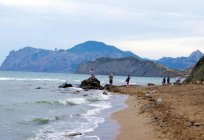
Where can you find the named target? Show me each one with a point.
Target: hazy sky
(149, 28)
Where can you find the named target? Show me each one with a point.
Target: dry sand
(179, 116)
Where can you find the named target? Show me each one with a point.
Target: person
(111, 78)
(168, 80)
(178, 79)
(128, 80)
(91, 72)
(164, 81)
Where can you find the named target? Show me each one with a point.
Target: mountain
(181, 63)
(197, 73)
(40, 60)
(124, 66)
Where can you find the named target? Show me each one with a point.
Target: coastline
(133, 124)
(163, 112)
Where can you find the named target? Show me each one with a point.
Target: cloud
(150, 28)
(156, 48)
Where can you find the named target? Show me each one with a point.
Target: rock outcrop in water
(91, 83)
(125, 66)
(197, 73)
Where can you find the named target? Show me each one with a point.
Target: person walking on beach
(168, 80)
(91, 72)
(111, 79)
(164, 81)
(128, 80)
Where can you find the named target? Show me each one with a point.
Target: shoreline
(138, 125)
(161, 112)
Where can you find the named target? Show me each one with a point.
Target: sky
(149, 28)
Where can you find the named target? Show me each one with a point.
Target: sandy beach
(161, 112)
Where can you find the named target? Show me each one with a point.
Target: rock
(105, 93)
(65, 85)
(74, 134)
(159, 101)
(91, 83)
(76, 92)
(38, 88)
(85, 95)
(148, 95)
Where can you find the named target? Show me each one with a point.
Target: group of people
(110, 78)
(166, 81)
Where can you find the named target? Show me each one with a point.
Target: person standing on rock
(111, 79)
(91, 72)
(128, 80)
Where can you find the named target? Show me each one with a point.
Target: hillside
(40, 60)
(125, 66)
(197, 73)
(181, 63)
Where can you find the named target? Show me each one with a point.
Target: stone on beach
(159, 101)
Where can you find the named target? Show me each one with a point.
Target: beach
(161, 112)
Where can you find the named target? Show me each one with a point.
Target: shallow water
(52, 113)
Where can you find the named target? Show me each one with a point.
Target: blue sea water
(50, 113)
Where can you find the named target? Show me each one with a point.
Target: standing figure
(178, 80)
(111, 79)
(164, 81)
(168, 80)
(91, 72)
(128, 80)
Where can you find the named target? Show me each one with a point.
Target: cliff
(125, 66)
(197, 73)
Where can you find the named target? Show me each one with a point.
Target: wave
(69, 101)
(99, 97)
(30, 79)
(46, 120)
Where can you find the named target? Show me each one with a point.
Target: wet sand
(133, 124)
(177, 115)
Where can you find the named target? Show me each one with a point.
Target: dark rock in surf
(91, 83)
(65, 85)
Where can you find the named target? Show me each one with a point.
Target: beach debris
(150, 84)
(38, 88)
(159, 101)
(194, 124)
(154, 91)
(65, 85)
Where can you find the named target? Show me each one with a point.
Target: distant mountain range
(41, 60)
(125, 66)
(181, 63)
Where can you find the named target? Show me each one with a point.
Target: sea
(32, 107)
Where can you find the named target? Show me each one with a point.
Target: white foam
(98, 97)
(73, 101)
